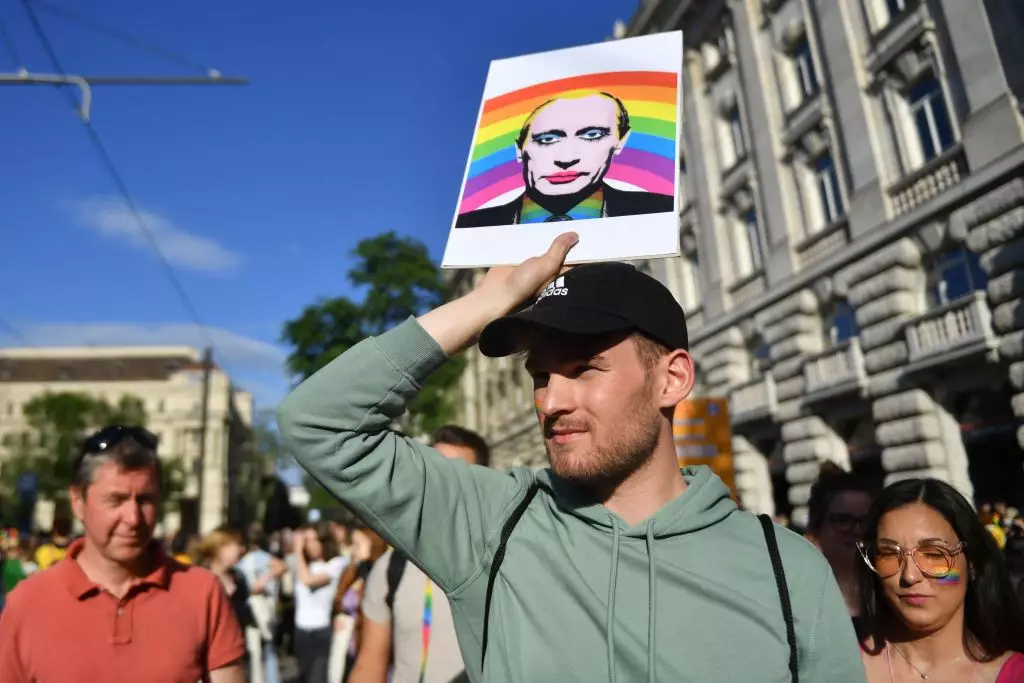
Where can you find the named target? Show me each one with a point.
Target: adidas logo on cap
(555, 288)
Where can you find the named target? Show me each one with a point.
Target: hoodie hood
(704, 503)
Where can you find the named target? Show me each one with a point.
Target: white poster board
(583, 139)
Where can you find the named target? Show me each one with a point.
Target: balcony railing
(929, 181)
(961, 323)
(753, 400)
(836, 370)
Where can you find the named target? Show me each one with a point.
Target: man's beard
(608, 464)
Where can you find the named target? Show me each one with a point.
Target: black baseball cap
(594, 298)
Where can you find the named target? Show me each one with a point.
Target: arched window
(840, 323)
(955, 273)
(760, 356)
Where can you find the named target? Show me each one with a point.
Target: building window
(842, 323)
(895, 7)
(682, 180)
(739, 143)
(956, 273)
(884, 12)
(732, 145)
(753, 237)
(827, 183)
(689, 282)
(746, 244)
(803, 64)
(933, 130)
(760, 357)
(716, 52)
(698, 382)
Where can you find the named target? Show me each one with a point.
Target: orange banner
(703, 436)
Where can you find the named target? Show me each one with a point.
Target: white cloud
(113, 219)
(256, 366)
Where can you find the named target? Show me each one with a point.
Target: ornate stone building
(169, 382)
(852, 223)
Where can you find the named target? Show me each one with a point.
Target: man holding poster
(611, 564)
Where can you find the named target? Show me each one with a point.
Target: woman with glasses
(935, 592)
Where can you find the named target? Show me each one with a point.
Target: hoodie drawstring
(610, 628)
(652, 605)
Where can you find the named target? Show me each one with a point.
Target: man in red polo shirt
(117, 609)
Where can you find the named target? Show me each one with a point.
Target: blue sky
(358, 120)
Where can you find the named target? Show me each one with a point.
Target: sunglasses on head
(108, 437)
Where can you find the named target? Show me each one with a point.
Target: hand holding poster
(583, 134)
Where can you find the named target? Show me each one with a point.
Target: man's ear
(679, 377)
(622, 143)
(519, 154)
(77, 497)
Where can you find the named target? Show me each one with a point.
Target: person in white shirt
(263, 572)
(318, 569)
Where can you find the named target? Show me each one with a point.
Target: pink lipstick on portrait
(563, 177)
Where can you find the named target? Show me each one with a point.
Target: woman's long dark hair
(993, 620)
(326, 538)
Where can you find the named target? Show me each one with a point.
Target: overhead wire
(121, 36)
(120, 184)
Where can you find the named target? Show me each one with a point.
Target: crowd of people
(611, 564)
(614, 564)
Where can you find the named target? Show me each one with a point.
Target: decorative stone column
(725, 363)
(918, 437)
(753, 480)
(994, 228)
(792, 327)
(808, 443)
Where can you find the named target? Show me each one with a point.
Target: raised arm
(440, 513)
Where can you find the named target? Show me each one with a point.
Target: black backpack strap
(396, 567)
(780, 581)
(499, 555)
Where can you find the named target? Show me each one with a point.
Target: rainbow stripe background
(648, 161)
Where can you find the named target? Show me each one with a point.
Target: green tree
(57, 423)
(397, 279)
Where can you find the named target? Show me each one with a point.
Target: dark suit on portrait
(616, 203)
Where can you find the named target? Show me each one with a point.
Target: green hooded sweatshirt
(686, 596)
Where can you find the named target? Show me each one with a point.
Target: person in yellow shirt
(182, 546)
(53, 552)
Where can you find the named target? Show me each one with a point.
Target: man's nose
(557, 396)
(566, 164)
(131, 514)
